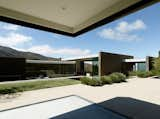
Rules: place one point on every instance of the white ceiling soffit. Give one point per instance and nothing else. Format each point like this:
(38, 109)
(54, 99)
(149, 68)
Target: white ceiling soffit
(68, 17)
(135, 60)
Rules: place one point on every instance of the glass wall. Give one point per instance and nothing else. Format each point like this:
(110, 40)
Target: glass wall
(50, 70)
(91, 66)
(95, 67)
(139, 66)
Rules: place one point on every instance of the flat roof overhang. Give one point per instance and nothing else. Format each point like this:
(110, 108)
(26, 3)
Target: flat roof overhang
(83, 58)
(135, 60)
(49, 62)
(67, 17)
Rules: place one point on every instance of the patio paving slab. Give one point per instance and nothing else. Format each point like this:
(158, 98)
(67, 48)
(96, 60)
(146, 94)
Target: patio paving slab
(70, 107)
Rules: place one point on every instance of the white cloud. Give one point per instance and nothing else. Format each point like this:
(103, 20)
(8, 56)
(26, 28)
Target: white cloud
(41, 49)
(13, 39)
(11, 27)
(126, 27)
(72, 51)
(114, 35)
(123, 31)
(49, 51)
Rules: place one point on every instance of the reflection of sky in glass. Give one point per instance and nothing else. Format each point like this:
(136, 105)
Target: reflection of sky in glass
(141, 66)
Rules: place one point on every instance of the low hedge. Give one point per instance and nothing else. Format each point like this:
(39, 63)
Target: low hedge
(142, 74)
(96, 82)
(133, 73)
(120, 77)
(106, 80)
(91, 81)
(156, 72)
(117, 77)
(10, 90)
(112, 78)
(85, 80)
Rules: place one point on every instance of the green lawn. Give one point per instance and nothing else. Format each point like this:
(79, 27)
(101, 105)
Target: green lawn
(33, 85)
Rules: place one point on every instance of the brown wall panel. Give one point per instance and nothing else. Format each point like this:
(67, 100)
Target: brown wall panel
(110, 63)
(149, 63)
(79, 67)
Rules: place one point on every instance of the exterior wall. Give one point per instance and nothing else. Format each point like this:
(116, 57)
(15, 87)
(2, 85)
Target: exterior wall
(79, 67)
(127, 67)
(18, 69)
(12, 69)
(56, 70)
(109, 63)
(149, 63)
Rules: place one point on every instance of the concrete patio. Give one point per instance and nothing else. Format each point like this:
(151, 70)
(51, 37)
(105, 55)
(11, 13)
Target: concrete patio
(137, 98)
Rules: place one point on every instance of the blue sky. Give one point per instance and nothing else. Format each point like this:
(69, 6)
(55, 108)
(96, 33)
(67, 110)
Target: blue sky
(137, 34)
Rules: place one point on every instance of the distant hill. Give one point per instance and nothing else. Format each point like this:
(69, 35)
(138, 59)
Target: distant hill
(10, 52)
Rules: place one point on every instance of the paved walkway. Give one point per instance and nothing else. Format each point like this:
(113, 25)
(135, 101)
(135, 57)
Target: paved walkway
(137, 98)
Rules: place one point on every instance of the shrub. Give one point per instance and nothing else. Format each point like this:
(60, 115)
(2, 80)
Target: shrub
(114, 77)
(50, 73)
(10, 90)
(144, 74)
(106, 80)
(117, 77)
(120, 76)
(155, 72)
(91, 82)
(85, 80)
(95, 82)
(132, 73)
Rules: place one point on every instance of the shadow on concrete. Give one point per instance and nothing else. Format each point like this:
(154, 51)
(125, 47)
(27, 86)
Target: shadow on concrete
(116, 108)
(92, 111)
(133, 108)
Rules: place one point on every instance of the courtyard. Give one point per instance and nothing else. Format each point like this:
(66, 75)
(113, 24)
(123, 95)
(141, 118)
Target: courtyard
(138, 98)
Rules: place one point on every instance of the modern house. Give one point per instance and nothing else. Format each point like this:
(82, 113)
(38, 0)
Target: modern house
(101, 64)
(105, 63)
(70, 18)
(73, 18)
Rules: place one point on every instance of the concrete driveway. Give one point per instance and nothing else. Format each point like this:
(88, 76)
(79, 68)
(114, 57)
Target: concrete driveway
(138, 98)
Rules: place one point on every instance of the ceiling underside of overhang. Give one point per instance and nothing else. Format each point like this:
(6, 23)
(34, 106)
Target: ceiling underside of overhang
(68, 17)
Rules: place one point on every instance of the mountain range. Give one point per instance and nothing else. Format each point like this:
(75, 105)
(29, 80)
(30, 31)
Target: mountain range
(10, 52)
